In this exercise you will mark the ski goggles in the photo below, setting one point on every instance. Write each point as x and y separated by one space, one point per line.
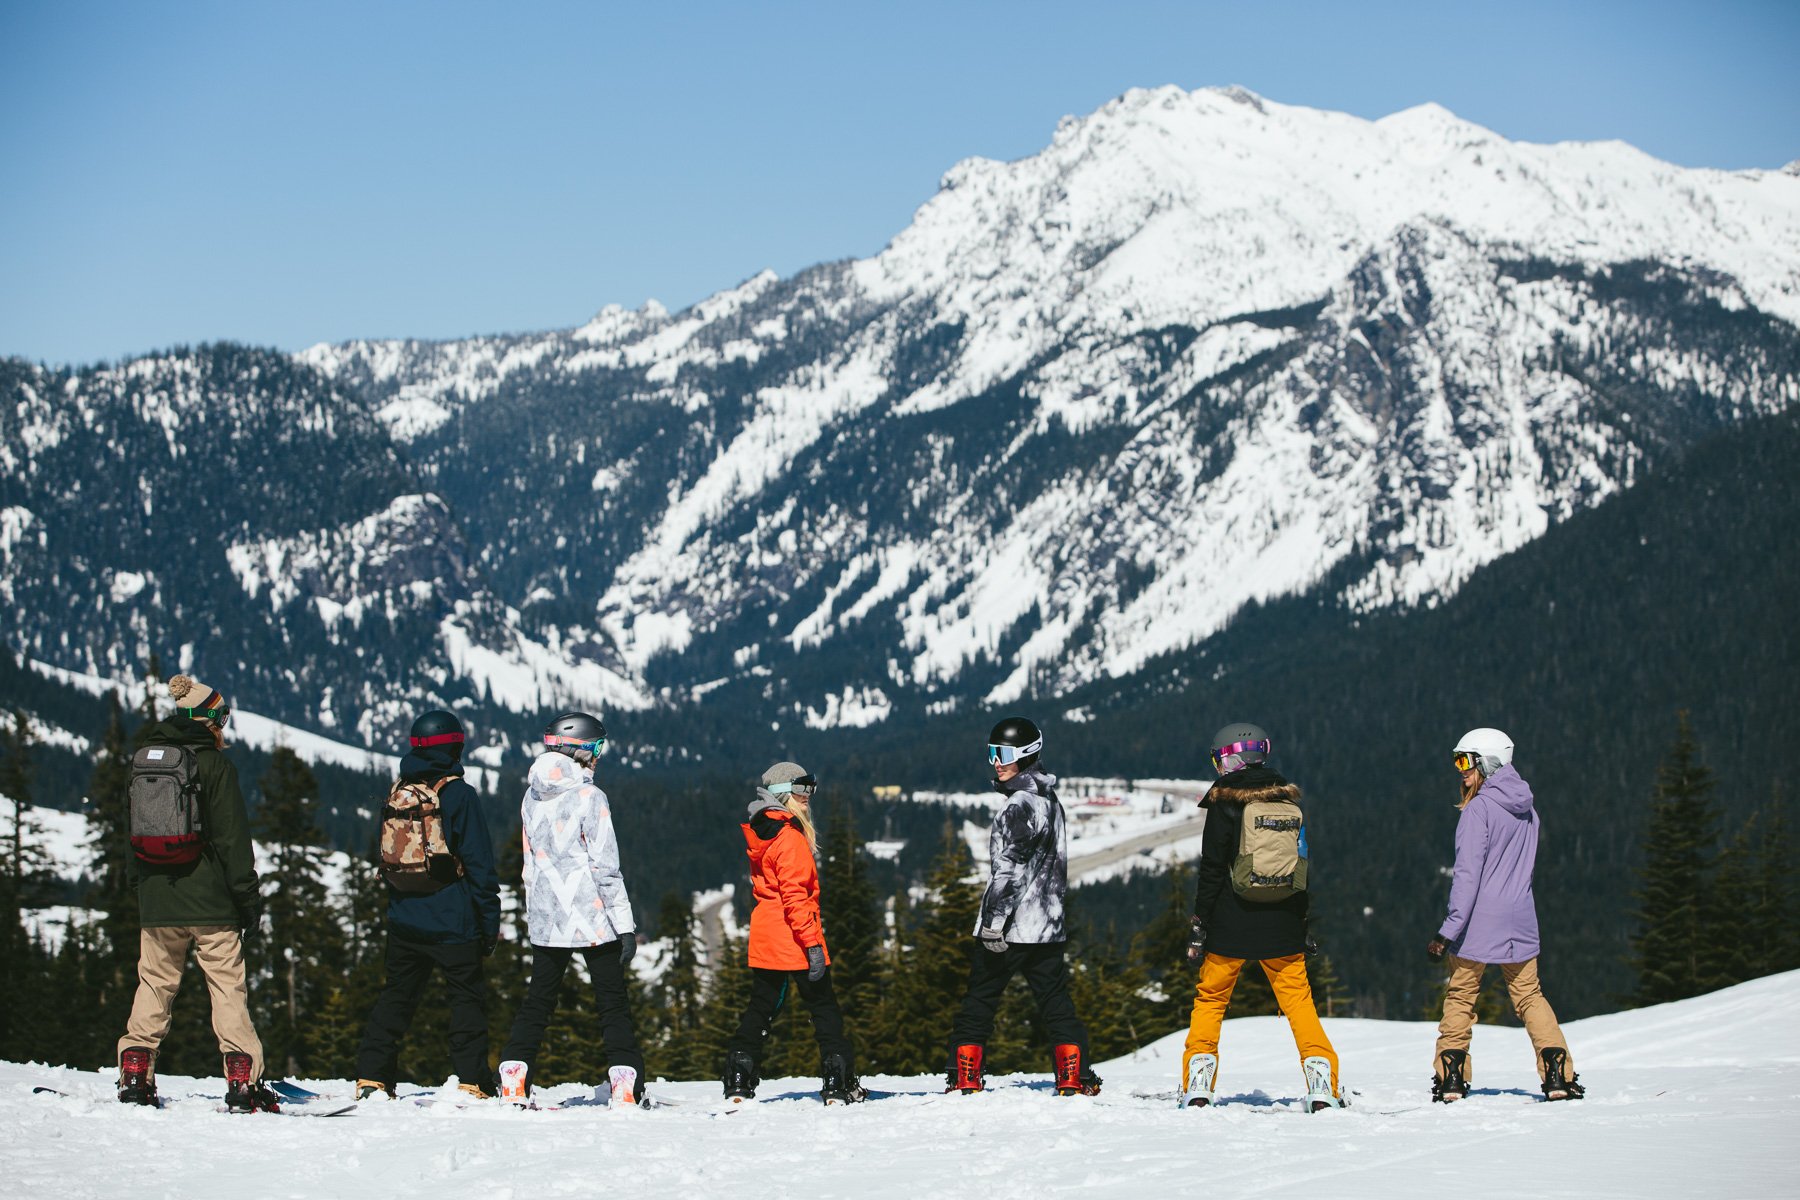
802 787
1006 756
1227 759
568 744
1466 761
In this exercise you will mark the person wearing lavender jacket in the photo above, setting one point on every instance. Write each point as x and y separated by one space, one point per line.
1493 919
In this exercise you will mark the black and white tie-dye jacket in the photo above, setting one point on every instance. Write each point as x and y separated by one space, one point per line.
1028 850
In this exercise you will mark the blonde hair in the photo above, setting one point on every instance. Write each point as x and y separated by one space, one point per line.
1467 792
803 818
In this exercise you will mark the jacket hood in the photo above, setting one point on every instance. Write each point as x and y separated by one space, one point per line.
763 802
1034 779
554 774
1507 788
428 764
1252 783
765 823
180 731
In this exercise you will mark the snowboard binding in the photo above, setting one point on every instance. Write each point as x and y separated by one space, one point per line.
740 1076
136 1084
1559 1082
1452 1080
1198 1090
965 1070
838 1083
242 1093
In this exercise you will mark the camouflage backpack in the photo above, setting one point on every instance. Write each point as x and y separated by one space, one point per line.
164 797
415 857
1271 858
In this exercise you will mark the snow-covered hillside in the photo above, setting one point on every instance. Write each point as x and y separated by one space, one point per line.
1696 1098
1203 350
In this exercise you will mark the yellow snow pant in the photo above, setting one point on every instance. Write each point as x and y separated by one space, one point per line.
162 953
1455 1030
1219 976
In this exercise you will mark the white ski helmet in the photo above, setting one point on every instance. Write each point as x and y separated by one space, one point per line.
1489 748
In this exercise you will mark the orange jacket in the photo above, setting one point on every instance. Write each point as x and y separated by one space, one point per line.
785 881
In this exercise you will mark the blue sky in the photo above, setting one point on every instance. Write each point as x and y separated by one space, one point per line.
291 173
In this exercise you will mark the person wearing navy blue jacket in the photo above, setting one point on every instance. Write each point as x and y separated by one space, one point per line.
450 930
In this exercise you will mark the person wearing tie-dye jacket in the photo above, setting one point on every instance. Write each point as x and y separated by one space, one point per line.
575 904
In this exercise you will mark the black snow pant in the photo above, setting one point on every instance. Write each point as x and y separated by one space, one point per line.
409 965
1045 973
769 992
607 973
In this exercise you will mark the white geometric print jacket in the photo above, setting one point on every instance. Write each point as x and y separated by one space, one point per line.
574 893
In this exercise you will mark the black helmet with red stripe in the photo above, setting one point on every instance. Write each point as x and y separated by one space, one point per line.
439 730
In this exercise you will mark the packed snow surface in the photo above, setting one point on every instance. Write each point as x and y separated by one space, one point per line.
1696 1098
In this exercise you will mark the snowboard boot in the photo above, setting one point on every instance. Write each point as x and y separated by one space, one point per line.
136 1084
740 1077
1073 1077
837 1082
1322 1091
965 1070
515 1087
626 1090
1559 1082
373 1089
242 1093
1198 1089
1452 1080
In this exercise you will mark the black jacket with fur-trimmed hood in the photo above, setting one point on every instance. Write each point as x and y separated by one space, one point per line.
1236 927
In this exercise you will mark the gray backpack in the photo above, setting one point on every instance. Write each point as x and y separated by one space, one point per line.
165 806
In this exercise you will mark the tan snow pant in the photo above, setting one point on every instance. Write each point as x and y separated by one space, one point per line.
1528 1001
162 953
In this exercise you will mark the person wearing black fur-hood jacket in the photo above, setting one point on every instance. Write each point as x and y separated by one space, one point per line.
1020 927
1250 902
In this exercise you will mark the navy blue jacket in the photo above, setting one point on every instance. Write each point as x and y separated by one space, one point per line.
469 909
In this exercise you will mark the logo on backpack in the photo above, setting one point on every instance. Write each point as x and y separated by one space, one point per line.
164 797
415 857
1271 858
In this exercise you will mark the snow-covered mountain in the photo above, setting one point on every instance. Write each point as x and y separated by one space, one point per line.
1201 351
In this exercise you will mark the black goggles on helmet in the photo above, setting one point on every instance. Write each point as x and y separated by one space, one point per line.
1006 756
802 787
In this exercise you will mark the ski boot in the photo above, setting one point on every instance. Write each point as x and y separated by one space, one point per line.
514 1087
136 1084
838 1083
1198 1090
373 1089
1452 1080
740 1077
242 1093
1559 1082
626 1090
1073 1077
1322 1091
965 1070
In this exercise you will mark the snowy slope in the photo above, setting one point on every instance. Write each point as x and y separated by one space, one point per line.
1697 1098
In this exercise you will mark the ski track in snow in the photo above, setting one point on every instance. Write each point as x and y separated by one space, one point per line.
1693 1098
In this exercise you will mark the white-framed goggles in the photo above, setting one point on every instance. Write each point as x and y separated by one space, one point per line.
1006 756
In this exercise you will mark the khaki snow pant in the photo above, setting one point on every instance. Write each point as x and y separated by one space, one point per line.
162 953
1528 1001
1287 976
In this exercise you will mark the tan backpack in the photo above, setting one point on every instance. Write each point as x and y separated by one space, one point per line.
1271 858
415 857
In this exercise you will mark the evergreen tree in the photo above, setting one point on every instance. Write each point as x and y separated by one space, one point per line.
302 960
852 918
925 975
1670 949
111 891
673 1016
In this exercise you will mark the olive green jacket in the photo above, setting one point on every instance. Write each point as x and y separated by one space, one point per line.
220 887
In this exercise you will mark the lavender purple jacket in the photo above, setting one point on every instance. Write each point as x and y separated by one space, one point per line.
1493 916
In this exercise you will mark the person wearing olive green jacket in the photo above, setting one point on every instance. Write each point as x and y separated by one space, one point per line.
206 904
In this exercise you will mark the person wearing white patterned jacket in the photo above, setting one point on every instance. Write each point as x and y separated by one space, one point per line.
575 904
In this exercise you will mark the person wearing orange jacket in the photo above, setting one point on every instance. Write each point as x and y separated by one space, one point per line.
787 939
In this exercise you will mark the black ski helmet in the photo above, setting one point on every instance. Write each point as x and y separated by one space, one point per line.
575 731
438 728
1238 746
1021 736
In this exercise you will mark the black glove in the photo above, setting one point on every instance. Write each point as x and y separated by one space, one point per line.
249 915
1312 946
815 962
993 939
1196 949
1434 949
488 945
627 948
